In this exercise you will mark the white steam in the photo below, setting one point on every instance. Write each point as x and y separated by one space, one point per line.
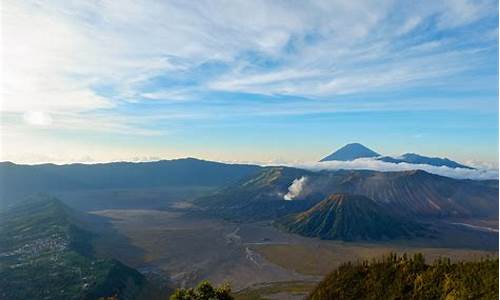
295 189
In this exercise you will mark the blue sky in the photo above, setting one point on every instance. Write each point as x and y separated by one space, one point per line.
267 81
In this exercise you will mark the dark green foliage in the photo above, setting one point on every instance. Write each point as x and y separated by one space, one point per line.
44 254
350 217
204 291
406 277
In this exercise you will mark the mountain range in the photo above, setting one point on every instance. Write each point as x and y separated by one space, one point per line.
354 151
411 193
19 181
241 192
413 158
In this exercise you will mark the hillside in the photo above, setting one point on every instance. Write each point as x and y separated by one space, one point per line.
411 193
44 254
18 181
422 194
410 278
349 217
256 197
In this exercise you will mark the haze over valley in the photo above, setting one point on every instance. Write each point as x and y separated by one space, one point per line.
263 229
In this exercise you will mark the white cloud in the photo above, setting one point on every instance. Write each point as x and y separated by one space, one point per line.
377 165
264 83
40 56
409 24
177 95
351 57
57 52
37 118
462 12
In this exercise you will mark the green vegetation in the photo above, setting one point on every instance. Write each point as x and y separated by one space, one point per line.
391 277
406 277
44 254
204 291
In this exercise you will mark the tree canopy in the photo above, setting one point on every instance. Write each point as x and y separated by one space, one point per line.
407 277
204 291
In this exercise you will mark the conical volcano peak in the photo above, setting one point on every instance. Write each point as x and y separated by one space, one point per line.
351 151
350 217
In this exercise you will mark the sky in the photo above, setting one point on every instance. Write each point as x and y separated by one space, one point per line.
247 81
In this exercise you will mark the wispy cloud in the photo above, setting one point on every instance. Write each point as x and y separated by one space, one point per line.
313 49
114 65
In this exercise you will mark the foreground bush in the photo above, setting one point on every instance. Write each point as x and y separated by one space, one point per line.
406 277
204 291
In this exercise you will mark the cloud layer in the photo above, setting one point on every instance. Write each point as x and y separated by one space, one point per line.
377 165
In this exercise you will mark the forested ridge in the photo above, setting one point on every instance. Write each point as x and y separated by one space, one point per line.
405 277
45 254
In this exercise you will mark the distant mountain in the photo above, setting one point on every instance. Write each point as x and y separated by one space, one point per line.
18 181
351 152
45 254
350 217
355 150
413 158
411 193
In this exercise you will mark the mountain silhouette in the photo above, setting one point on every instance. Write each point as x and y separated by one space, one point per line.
351 152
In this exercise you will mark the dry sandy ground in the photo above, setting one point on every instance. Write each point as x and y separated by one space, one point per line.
188 249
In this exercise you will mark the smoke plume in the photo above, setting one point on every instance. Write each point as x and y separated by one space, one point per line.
295 189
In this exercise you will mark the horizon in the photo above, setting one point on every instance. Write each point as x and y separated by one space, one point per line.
139 159
248 82
479 171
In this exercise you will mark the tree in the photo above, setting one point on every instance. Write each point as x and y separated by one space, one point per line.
204 291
